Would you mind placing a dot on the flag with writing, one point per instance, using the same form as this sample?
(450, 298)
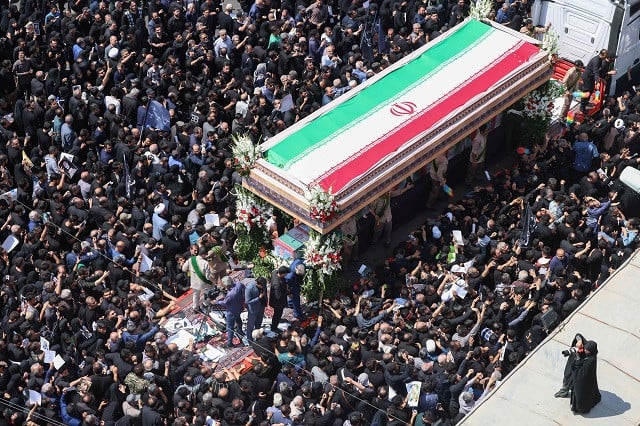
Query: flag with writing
(127, 176)
(528, 226)
(157, 116)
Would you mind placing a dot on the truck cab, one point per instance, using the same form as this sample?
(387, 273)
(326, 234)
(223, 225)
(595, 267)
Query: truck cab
(586, 26)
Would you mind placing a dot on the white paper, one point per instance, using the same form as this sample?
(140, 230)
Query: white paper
(212, 218)
(468, 265)
(10, 195)
(175, 324)
(58, 362)
(473, 228)
(146, 263)
(34, 397)
(49, 356)
(457, 237)
(44, 344)
(69, 157)
(461, 291)
(487, 175)
(212, 354)
(10, 243)
(362, 269)
(148, 294)
(181, 339)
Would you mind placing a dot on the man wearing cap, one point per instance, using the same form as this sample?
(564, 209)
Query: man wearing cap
(158, 221)
(234, 302)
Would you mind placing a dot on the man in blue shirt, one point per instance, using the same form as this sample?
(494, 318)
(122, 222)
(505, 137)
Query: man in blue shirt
(255, 295)
(585, 151)
(234, 302)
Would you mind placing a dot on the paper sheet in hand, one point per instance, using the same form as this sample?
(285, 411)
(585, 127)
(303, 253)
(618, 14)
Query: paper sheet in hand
(460, 290)
(10, 243)
(10, 195)
(34, 397)
(146, 263)
(181, 339)
(49, 356)
(66, 164)
(413, 393)
(148, 294)
(212, 218)
(44, 344)
(58, 362)
(457, 237)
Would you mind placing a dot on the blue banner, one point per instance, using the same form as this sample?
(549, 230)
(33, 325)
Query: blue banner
(157, 116)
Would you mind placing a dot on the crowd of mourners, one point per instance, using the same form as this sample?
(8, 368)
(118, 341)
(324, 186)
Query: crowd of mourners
(454, 316)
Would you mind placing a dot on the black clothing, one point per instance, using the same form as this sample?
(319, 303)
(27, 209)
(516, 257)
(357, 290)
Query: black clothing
(585, 394)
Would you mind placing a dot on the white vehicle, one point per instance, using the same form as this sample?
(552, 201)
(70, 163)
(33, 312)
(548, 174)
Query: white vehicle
(587, 26)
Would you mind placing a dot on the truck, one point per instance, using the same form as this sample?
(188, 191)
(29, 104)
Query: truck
(584, 27)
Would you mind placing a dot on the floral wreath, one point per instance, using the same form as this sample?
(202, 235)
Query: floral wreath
(251, 211)
(550, 43)
(539, 103)
(481, 9)
(245, 154)
(322, 253)
(322, 204)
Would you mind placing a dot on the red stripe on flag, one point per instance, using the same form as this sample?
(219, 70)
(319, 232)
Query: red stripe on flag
(360, 163)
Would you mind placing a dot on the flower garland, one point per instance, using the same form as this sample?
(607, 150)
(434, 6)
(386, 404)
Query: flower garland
(322, 204)
(550, 43)
(245, 154)
(538, 104)
(481, 9)
(251, 211)
(323, 253)
(537, 109)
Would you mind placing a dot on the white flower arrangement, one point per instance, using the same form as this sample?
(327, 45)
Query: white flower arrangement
(550, 43)
(322, 204)
(539, 103)
(323, 253)
(251, 211)
(481, 9)
(245, 154)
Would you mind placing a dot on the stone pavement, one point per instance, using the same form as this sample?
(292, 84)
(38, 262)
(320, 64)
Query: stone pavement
(609, 317)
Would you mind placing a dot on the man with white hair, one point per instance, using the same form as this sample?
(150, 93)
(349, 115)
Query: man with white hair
(234, 302)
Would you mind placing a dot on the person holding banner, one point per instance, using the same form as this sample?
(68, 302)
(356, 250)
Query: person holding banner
(199, 275)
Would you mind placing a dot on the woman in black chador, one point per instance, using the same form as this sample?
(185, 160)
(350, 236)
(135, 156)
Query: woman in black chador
(580, 380)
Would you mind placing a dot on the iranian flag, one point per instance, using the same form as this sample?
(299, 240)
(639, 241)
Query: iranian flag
(347, 139)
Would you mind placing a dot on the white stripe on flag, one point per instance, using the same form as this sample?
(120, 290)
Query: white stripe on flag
(355, 138)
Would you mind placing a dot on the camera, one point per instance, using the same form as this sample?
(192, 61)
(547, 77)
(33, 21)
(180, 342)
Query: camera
(568, 352)
(213, 293)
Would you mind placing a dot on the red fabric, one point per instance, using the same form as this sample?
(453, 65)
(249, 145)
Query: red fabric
(359, 164)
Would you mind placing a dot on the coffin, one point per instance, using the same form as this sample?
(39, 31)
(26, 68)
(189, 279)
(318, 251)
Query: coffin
(365, 142)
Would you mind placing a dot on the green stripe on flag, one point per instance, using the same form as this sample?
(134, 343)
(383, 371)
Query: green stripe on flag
(286, 151)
